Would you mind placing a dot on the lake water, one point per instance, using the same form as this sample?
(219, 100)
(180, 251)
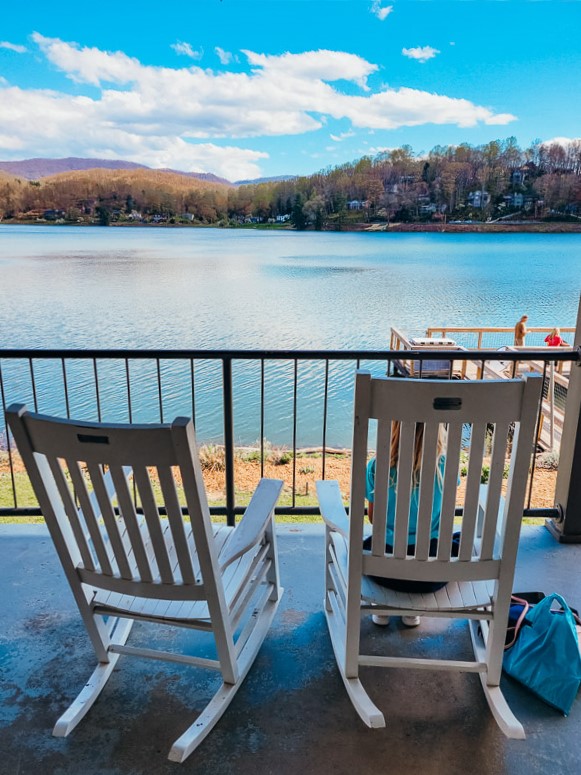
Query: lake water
(92, 287)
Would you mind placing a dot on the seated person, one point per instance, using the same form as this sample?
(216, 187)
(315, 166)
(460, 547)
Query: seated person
(405, 585)
(554, 339)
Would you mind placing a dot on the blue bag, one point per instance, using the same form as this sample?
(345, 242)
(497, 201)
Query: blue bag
(545, 656)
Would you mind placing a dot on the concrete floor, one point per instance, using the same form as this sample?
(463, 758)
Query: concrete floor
(292, 714)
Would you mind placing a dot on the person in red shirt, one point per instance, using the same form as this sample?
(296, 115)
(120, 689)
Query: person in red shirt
(554, 339)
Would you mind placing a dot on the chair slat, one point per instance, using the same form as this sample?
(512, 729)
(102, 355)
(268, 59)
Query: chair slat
(470, 512)
(72, 513)
(93, 526)
(109, 518)
(468, 597)
(453, 446)
(382, 460)
(176, 523)
(152, 519)
(404, 479)
(493, 494)
(427, 474)
(131, 519)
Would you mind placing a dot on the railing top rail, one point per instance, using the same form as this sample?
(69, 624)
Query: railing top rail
(542, 354)
(498, 329)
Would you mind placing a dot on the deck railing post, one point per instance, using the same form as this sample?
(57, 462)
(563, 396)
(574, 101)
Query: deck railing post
(229, 441)
(567, 529)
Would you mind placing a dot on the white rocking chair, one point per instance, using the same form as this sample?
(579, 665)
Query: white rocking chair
(480, 578)
(124, 566)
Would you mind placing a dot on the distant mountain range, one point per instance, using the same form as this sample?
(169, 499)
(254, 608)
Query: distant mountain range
(35, 169)
(274, 179)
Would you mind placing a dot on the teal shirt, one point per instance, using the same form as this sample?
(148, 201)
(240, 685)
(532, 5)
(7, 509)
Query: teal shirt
(414, 501)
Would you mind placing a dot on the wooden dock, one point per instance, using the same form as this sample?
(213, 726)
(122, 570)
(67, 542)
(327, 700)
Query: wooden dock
(457, 339)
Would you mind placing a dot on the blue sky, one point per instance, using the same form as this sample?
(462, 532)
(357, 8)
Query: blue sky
(246, 88)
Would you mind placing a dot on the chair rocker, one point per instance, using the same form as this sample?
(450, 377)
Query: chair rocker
(125, 564)
(480, 577)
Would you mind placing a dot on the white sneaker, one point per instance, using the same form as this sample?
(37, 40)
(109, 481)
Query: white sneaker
(411, 621)
(382, 621)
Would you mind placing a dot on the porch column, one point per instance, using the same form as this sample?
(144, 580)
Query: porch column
(567, 528)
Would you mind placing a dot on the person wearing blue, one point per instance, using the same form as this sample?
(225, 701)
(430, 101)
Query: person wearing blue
(405, 585)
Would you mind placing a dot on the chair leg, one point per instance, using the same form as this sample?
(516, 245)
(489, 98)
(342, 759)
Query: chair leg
(504, 717)
(212, 713)
(92, 689)
(367, 710)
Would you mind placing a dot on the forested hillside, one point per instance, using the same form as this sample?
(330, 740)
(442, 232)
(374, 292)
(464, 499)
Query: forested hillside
(490, 182)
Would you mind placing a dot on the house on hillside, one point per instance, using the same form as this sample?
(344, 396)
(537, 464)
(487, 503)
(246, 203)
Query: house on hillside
(517, 177)
(479, 198)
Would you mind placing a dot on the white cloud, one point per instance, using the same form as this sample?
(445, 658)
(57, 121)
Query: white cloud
(88, 65)
(172, 117)
(321, 65)
(381, 13)
(13, 47)
(225, 57)
(420, 53)
(377, 149)
(564, 141)
(78, 126)
(342, 136)
(393, 108)
(185, 48)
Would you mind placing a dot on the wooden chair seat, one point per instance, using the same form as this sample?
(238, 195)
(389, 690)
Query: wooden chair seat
(461, 597)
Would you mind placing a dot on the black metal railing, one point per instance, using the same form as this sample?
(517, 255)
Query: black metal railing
(79, 383)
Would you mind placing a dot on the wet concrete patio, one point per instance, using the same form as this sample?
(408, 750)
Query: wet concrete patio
(292, 714)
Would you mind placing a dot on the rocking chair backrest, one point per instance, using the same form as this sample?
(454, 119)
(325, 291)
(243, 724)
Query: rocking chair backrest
(103, 540)
(461, 421)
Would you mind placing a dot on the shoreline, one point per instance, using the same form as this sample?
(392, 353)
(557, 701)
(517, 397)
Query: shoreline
(553, 227)
(303, 472)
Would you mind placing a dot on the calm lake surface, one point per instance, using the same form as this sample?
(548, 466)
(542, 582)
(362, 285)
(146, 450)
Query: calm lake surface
(94, 287)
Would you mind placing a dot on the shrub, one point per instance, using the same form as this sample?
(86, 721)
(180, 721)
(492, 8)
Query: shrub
(548, 460)
(212, 458)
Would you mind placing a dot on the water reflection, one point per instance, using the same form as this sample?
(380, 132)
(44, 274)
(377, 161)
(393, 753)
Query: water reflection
(233, 289)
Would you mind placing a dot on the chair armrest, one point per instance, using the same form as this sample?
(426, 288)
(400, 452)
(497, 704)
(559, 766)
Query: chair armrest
(251, 527)
(331, 506)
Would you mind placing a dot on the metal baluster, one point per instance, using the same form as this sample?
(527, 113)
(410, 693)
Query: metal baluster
(129, 407)
(537, 435)
(325, 407)
(96, 375)
(33, 383)
(261, 418)
(160, 399)
(193, 384)
(295, 387)
(229, 441)
(130, 413)
(66, 388)
(8, 445)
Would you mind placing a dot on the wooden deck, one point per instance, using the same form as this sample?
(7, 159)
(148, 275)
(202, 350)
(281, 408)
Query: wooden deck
(459, 340)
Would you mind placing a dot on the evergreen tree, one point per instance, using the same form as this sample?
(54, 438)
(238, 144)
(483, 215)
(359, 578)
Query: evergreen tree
(298, 217)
